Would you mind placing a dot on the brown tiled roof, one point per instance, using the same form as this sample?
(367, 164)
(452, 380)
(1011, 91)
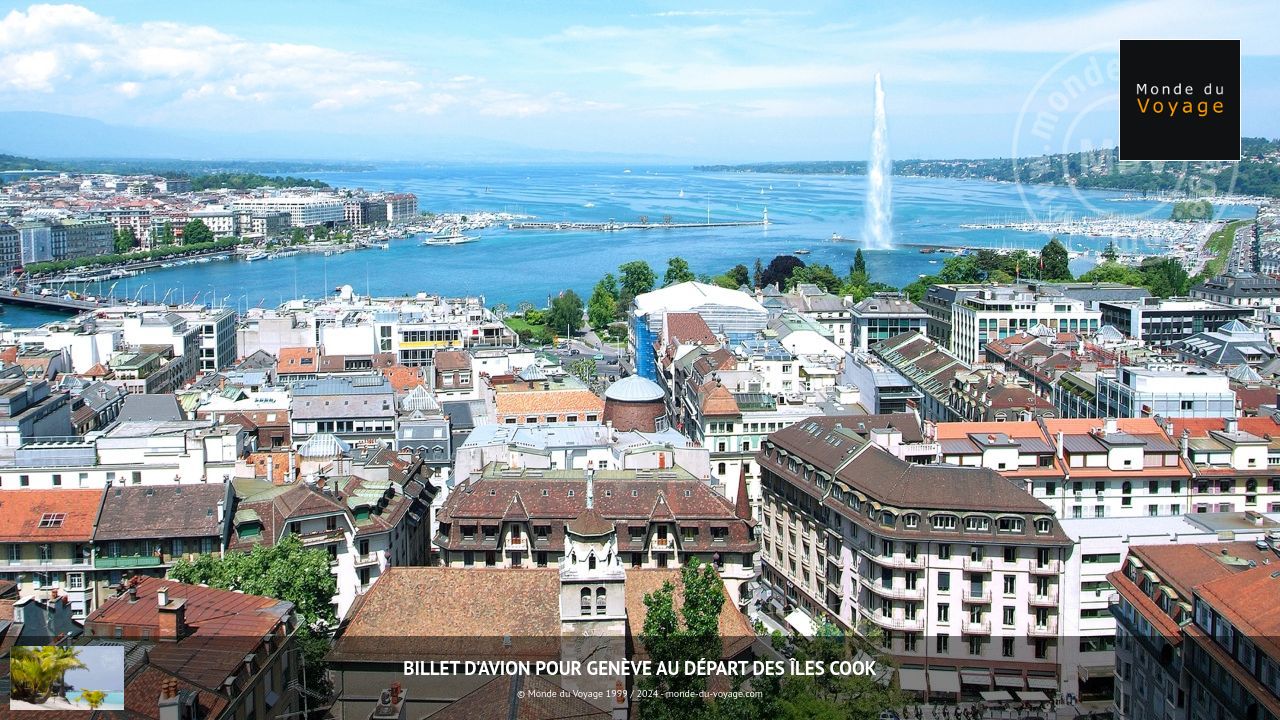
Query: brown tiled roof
(488, 613)
(297, 360)
(1183, 566)
(523, 697)
(688, 328)
(452, 360)
(98, 371)
(455, 613)
(1200, 427)
(589, 524)
(549, 402)
(224, 626)
(160, 512)
(1248, 600)
(402, 378)
(717, 400)
(22, 513)
(143, 691)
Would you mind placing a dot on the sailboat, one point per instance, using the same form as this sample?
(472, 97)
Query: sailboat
(681, 192)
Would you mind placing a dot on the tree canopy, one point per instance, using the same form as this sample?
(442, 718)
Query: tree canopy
(677, 272)
(637, 278)
(1054, 261)
(779, 271)
(565, 313)
(196, 232)
(602, 308)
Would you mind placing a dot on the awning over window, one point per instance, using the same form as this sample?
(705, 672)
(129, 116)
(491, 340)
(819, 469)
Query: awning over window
(1033, 696)
(944, 681)
(996, 696)
(801, 623)
(1043, 683)
(1088, 672)
(911, 679)
(1009, 681)
(975, 677)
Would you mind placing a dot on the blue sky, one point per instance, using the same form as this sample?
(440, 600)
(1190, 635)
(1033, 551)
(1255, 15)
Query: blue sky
(105, 669)
(688, 80)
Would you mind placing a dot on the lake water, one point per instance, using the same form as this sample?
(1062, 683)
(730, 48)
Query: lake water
(515, 265)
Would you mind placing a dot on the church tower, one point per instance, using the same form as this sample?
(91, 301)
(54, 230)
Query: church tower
(593, 604)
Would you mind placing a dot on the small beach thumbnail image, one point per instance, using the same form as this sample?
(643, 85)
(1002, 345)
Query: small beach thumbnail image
(52, 677)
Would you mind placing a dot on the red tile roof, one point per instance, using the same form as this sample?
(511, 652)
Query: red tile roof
(452, 360)
(1200, 427)
(684, 328)
(60, 515)
(402, 378)
(297, 360)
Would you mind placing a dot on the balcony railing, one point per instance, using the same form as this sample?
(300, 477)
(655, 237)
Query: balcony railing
(47, 564)
(128, 561)
(897, 623)
(664, 543)
(976, 628)
(1052, 567)
(896, 593)
(1048, 628)
(979, 565)
(369, 558)
(1050, 600)
(977, 596)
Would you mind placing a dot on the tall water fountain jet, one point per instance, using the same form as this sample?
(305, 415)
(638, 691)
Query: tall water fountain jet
(877, 234)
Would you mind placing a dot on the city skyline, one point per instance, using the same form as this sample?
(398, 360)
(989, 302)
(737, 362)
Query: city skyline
(711, 82)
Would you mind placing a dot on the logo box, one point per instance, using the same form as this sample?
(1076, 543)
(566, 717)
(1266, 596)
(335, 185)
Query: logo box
(1180, 100)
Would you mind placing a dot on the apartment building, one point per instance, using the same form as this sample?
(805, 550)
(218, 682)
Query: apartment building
(10, 248)
(1195, 629)
(48, 543)
(517, 517)
(401, 207)
(304, 210)
(131, 452)
(30, 410)
(930, 368)
(882, 316)
(996, 312)
(1235, 463)
(1163, 321)
(352, 408)
(205, 653)
(1255, 291)
(365, 523)
(957, 567)
(724, 312)
(815, 304)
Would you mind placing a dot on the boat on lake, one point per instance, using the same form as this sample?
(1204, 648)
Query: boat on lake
(453, 237)
(255, 255)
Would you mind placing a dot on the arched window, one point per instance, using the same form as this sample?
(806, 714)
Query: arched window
(1126, 488)
(600, 601)
(586, 601)
(591, 561)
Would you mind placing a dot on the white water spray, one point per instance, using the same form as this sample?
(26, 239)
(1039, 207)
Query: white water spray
(878, 231)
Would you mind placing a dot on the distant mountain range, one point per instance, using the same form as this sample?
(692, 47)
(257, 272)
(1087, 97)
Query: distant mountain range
(52, 136)
(1258, 172)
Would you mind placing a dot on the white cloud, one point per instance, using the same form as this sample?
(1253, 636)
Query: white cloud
(199, 71)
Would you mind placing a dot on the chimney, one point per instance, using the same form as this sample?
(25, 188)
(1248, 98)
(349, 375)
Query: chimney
(591, 486)
(133, 595)
(391, 704)
(1058, 450)
(222, 510)
(1232, 424)
(1185, 443)
(162, 596)
(173, 620)
(170, 703)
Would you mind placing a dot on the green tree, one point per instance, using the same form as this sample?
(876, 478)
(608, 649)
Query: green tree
(565, 313)
(757, 274)
(668, 640)
(821, 275)
(584, 368)
(859, 262)
(602, 308)
(1054, 261)
(166, 235)
(297, 236)
(125, 240)
(286, 571)
(38, 673)
(1111, 254)
(779, 271)
(833, 695)
(321, 232)
(93, 698)
(1165, 277)
(637, 278)
(196, 232)
(739, 274)
(677, 272)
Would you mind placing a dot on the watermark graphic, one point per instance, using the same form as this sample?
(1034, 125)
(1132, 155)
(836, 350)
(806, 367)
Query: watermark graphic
(1065, 135)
